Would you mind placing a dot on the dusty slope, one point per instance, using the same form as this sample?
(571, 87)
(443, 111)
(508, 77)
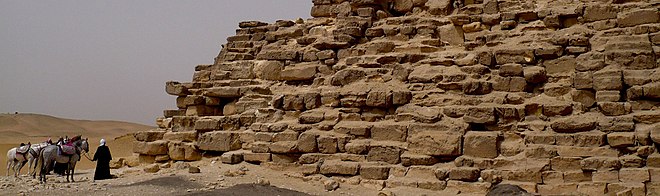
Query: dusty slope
(17, 127)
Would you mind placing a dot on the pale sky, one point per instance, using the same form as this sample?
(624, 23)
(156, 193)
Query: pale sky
(109, 60)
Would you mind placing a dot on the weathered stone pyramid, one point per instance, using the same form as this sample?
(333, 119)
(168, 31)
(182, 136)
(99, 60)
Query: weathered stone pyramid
(554, 96)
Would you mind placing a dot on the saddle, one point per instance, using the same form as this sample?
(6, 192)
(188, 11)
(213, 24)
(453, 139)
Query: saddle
(67, 149)
(22, 149)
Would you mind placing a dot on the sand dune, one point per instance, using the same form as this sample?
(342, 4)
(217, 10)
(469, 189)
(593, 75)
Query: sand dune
(17, 128)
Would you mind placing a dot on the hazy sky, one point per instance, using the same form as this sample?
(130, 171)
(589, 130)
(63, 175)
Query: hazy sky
(109, 60)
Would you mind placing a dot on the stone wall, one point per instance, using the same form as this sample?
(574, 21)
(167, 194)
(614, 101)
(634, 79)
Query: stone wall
(553, 96)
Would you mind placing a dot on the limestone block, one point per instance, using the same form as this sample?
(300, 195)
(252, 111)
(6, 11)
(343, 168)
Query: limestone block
(481, 144)
(347, 76)
(511, 70)
(435, 143)
(605, 176)
(480, 115)
(307, 143)
(283, 147)
(357, 128)
(219, 141)
(223, 92)
(256, 157)
(426, 74)
(614, 108)
(627, 188)
(608, 96)
(608, 80)
(571, 151)
(280, 55)
(379, 99)
(336, 167)
(439, 7)
(600, 163)
(180, 151)
(418, 113)
(583, 80)
(476, 87)
(637, 17)
(652, 90)
(589, 139)
(183, 136)
(299, 72)
(153, 168)
(634, 175)
(540, 151)
(565, 163)
(149, 136)
(158, 147)
(518, 56)
(234, 157)
(311, 117)
(621, 139)
(592, 188)
(467, 174)
(388, 154)
(374, 172)
(577, 176)
(574, 124)
(600, 12)
(268, 70)
(176, 88)
(357, 146)
(327, 144)
(475, 188)
(408, 159)
(389, 131)
(451, 34)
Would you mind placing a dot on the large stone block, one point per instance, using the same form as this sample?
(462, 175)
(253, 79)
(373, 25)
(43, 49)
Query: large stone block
(481, 144)
(299, 72)
(386, 154)
(637, 17)
(439, 7)
(183, 136)
(180, 151)
(518, 56)
(574, 124)
(435, 143)
(389, 131)
(336, 167)
(219, 141)
(480, 115)
(158, 147)
(149, 136)
(451, 34)
(374, 172)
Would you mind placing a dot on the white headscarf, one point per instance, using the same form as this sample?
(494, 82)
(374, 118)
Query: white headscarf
(102, 142)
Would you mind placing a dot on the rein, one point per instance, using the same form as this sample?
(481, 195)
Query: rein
(86, 156)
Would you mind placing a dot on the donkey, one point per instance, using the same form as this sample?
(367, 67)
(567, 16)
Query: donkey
(49, 155)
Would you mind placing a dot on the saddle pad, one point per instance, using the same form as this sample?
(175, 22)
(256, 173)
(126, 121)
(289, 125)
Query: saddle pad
(22, 149)
(69, 150)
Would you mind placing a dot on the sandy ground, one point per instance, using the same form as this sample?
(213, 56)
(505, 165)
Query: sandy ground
(215, 178)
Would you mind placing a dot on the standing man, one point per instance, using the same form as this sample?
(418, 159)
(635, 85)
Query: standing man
(103, 157)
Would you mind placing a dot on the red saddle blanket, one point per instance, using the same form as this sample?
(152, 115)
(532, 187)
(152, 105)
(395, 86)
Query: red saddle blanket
(68, 149)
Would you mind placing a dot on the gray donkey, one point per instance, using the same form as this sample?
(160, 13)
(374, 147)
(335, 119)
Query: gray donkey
(49, 155)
